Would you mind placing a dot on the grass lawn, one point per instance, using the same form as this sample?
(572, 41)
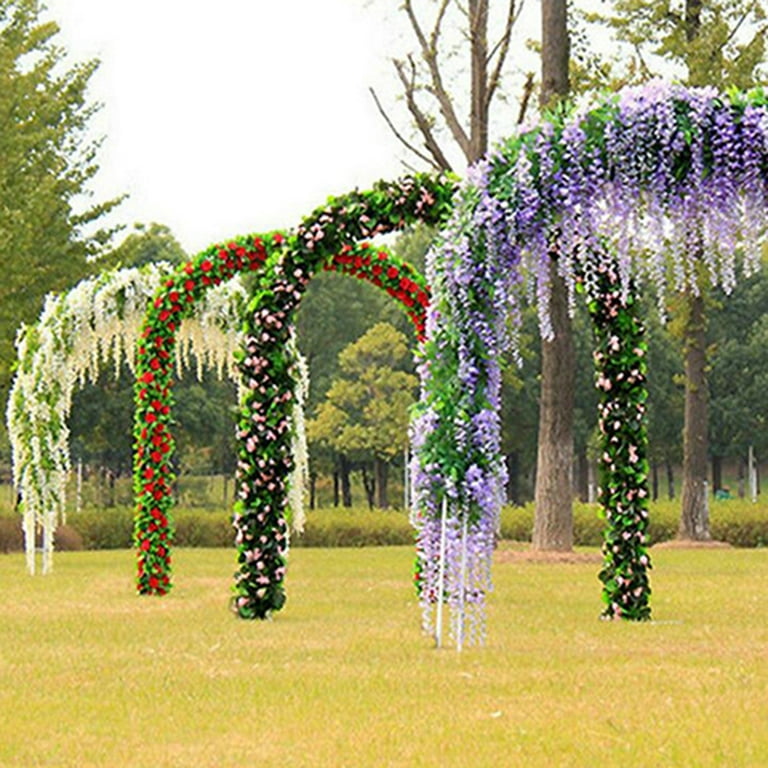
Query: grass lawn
(92, 675)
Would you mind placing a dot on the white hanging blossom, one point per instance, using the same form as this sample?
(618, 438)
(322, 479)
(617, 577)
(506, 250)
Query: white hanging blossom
(300, 475)
(79, 332)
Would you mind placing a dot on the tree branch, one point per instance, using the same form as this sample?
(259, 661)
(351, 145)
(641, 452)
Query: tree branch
(738, 24)
(502, 47)
(437, 88)
(527, 91)
(400, 137)
(423, 123)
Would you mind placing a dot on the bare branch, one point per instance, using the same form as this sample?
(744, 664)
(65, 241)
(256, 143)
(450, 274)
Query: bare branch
(502, 46)
(423, 123)
(643, 66)
(399, 136)
(738, 24)
(437, 88)
(525, 100)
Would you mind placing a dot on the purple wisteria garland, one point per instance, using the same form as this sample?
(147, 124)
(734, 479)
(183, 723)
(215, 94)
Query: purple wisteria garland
(656, 181)
(458, 471)
(620, 357)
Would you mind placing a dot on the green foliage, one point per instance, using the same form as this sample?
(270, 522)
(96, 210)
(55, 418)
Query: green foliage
(355, 527)
(736, 522)
(720, 42)
(46, 164)
(148, 244)
(366, 408)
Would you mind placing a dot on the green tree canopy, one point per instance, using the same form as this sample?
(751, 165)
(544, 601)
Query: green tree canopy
(365, 411)
(46, 163)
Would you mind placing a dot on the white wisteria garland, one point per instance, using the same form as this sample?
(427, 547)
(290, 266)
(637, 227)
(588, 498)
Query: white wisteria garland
(78, 333)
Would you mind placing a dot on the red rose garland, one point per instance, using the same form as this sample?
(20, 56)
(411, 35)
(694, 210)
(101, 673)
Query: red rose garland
(399, 279)
(153, 441)
(323, 239)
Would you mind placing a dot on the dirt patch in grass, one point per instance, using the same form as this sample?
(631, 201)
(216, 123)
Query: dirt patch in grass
(522, 553)
(690, 544)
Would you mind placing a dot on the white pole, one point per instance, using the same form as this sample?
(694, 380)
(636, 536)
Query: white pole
(752, 474)
(79, 497)
(441, 574)
(462, 587)
(406, 480)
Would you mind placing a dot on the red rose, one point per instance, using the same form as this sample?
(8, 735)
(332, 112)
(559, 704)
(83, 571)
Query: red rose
(164, 315)
(147, 378)
(206, 266)
(156, 456)
(153, 582)
(392, 273)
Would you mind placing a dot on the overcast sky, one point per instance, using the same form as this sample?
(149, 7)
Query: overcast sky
(237, 116)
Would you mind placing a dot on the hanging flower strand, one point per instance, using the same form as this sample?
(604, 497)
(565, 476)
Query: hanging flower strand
(265, 432)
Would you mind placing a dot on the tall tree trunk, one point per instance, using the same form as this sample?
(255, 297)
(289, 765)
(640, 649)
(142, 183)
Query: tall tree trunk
(670, 480)
(336, 487)
(742, 476)
(553, 523)
(693, 520)
(346, 486)
(582, 476)
(478, 120)
(369, 484)
(654, 481)
(555, 51)
(381, 478)
(513, 478)
(313, 490)
(717, 473)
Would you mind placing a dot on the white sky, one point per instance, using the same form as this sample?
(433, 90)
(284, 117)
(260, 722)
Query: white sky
(239, 116)
(231, 117)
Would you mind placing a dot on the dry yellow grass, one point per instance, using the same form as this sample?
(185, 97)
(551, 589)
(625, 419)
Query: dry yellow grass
(91, 675)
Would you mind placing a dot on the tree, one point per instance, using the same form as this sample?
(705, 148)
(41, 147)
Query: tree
(430, 92)
(427, 92)
(553, 522)
(46, 163)
(712, 42)
(365, 411)
(148, 244)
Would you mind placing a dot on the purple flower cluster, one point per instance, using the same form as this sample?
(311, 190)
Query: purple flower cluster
(664, 177)
(655, 182)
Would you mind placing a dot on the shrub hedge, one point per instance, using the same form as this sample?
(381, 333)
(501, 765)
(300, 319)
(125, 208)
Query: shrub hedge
(736, 522)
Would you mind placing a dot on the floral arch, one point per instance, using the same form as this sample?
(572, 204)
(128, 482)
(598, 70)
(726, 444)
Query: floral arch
(79, 333)
(333, 237)
(659, 183)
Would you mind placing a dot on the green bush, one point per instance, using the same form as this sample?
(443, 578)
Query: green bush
(736, 522)
(11, 535)
(203, 529)
(104, 528)
(67, 539)
(354, 527)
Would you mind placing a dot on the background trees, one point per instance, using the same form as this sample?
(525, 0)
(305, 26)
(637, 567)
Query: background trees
(46, 163)
(706, 42)
(365, 413)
